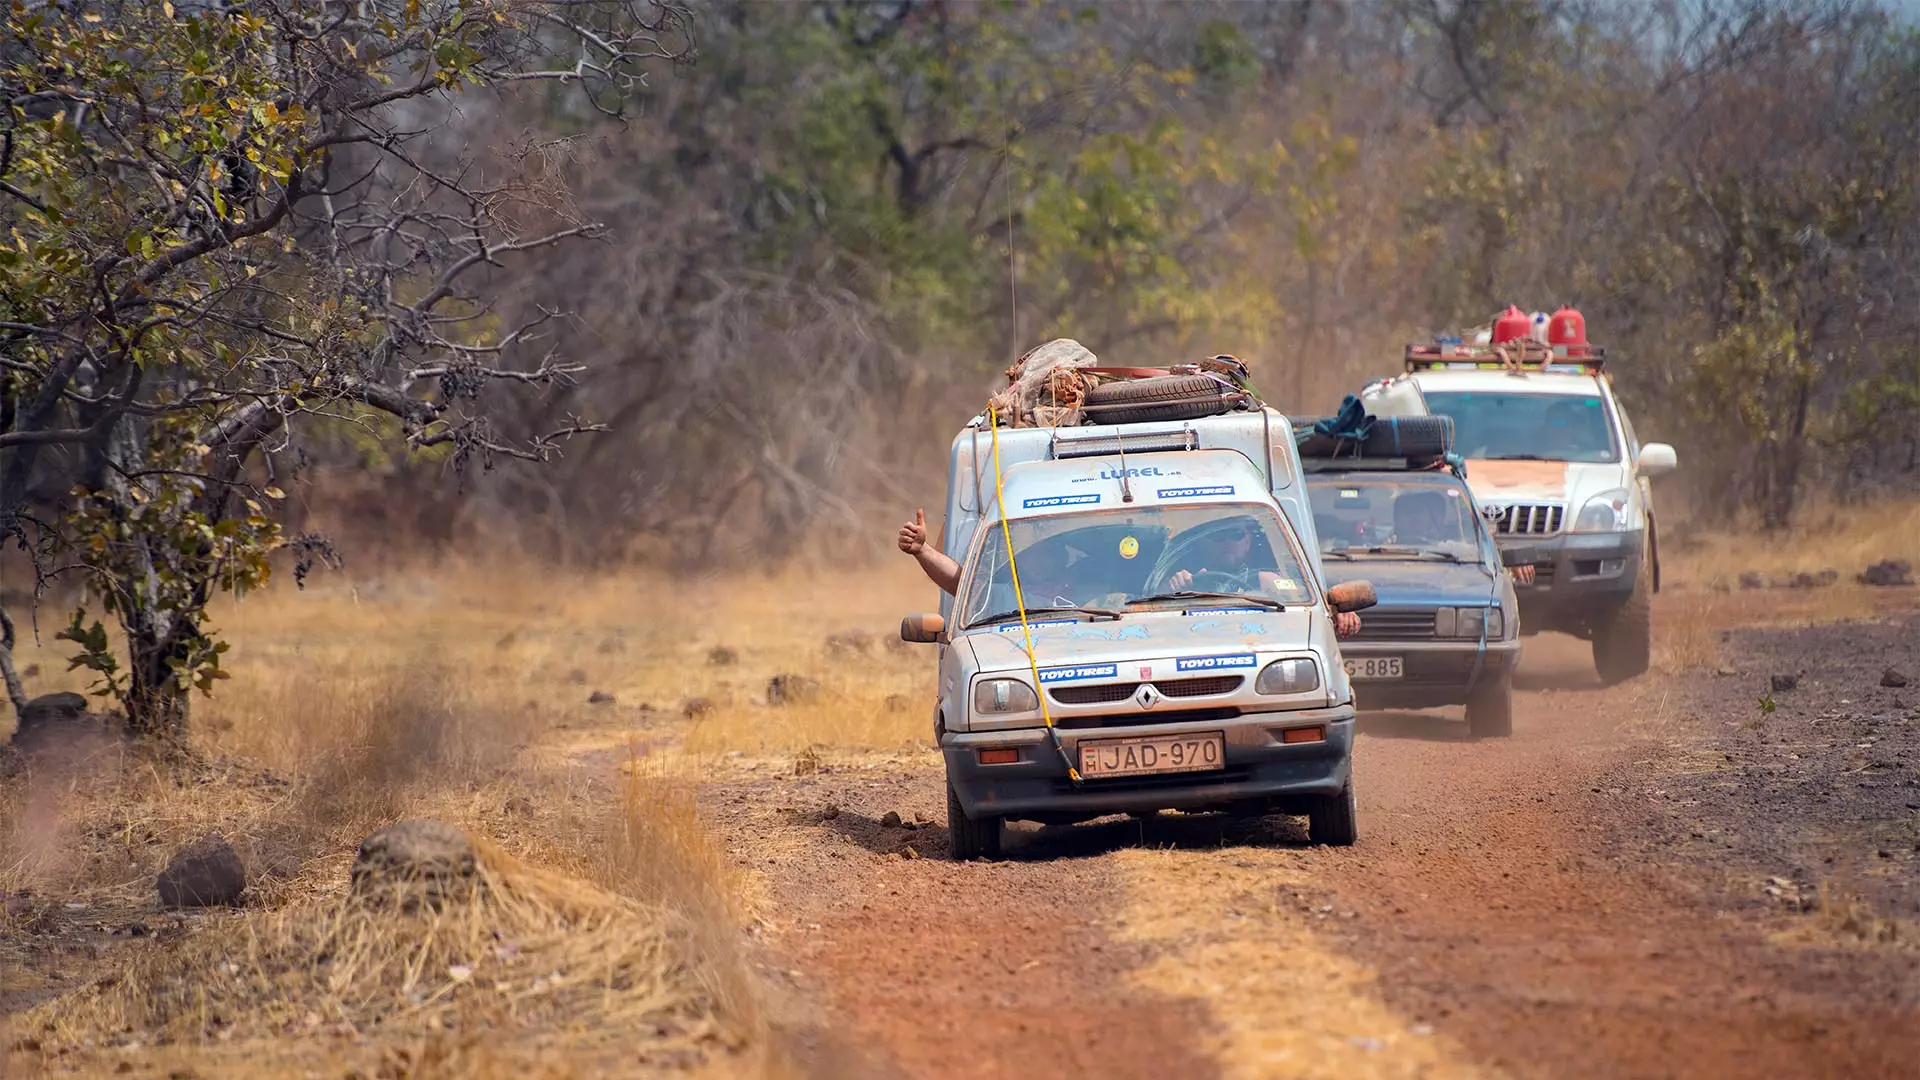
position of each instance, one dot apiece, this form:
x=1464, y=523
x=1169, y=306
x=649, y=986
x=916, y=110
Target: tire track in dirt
x=931, y=968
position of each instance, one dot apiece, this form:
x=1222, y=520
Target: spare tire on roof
x=1161, y=398
x=1389, y=437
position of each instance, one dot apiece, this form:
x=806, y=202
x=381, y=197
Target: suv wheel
x=969, y=838
x=1623, y=640
x=1490, y=709
x=1334, y=819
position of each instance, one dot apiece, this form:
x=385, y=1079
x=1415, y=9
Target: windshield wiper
x=1096, y=612
x=1339, y=553
x=1190, y=595
x=1519, y=457
x=1438, y=554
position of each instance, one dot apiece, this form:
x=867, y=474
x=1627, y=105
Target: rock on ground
x=420, y=860
x=1888, y=573
x=205, y=873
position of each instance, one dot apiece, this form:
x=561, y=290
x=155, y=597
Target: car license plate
x=1147, y=754
x=1373, y=668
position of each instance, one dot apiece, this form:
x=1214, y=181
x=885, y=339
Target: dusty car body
x=1550, y=452
x=1075, y=697
x=1446, y=629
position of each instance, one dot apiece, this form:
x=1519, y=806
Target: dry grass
x=464, y=696
x=1846, y=539
x=1703, y=598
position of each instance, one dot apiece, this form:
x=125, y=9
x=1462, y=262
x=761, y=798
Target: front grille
x=1173, y=688
x=1220, y=684
x=1092, y=695
x=1152, y=716
x=1378, y=625
x=1528, y=519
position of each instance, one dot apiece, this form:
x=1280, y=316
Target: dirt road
x=1658, y=879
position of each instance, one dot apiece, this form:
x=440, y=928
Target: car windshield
x=1112, y=558
x=1394, y=517
x=1528, y=427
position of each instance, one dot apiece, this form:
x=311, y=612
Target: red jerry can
x=1512, y=325
x=1568, y=327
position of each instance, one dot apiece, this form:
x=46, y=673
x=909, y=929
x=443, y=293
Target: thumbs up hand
x=913, y=535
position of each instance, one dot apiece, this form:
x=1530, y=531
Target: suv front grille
x=1528, y=519
x=1219, y=684
x=1410, y=625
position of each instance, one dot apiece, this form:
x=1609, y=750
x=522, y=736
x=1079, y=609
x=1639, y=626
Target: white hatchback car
x=1554, y=461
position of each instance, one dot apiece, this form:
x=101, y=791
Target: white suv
x=1555, y=463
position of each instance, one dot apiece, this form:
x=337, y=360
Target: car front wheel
x=970, y=838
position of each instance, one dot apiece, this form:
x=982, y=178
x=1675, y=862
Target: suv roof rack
x=1532, y=356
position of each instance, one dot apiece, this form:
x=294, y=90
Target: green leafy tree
x=221, y=222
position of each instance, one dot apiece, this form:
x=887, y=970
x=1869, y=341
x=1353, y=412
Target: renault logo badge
x=1146, y=697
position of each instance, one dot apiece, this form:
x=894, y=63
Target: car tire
x=970, y=838
x=1623, y=640
x=1334, y=820
x=1490, y=709
x=1165, y=397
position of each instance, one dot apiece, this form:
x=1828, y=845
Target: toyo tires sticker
x=1075, y=673
x=1216, y=663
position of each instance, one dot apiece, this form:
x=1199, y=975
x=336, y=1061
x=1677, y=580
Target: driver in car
x=1225, y=553
x=1420, y=517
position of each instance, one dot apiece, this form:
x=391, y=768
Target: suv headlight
x=1294, y=675
x=1605, y=512
x=1003, y=696
x=1468, y=622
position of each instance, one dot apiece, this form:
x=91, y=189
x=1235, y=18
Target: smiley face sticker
x=1129, y=547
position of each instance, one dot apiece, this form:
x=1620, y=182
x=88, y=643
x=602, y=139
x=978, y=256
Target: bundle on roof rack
x=1061, y=384
x=1352, y=433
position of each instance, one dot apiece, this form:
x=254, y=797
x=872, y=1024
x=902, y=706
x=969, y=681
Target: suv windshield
x=1528, y=427
x=1110, y=558
x=1394, y=517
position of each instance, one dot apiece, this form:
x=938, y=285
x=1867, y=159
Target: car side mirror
x=923, y=628
x=1519, y=556
x=1352, y=596
x=1657, y=458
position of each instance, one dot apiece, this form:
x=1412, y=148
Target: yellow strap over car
x=1020, y=599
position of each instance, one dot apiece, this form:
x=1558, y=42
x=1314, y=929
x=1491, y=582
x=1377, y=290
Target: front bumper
x=1578, y=577
x=1258, y=767
x=1432, y=673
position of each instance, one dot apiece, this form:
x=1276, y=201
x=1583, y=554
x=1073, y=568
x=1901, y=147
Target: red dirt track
x=1600, y=895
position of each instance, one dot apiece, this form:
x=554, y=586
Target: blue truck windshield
x=1527, y=427
x=1109, y=558
x=1385, y=516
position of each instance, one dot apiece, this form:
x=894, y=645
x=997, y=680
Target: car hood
x=1571, y=483
x=1415, y=584
x=1136, y=638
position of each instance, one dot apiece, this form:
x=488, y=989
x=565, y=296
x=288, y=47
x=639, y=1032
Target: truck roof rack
x=1064, y=445
x=1532, y=356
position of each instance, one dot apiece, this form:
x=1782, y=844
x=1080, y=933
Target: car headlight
x=1295, y=675
x=1468, y=622
x=1605, y=512
x=1003, y=696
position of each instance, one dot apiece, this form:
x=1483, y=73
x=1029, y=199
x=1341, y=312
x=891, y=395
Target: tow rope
x=1020, y=601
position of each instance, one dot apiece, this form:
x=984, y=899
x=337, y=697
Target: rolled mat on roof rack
x=1352, y=433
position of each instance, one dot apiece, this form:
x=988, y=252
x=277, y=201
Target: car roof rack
x=1531, y=356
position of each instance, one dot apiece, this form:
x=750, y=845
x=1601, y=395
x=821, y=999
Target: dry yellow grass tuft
x=534, y=954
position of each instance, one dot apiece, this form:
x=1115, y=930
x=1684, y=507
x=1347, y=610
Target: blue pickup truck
x=1445, y=631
